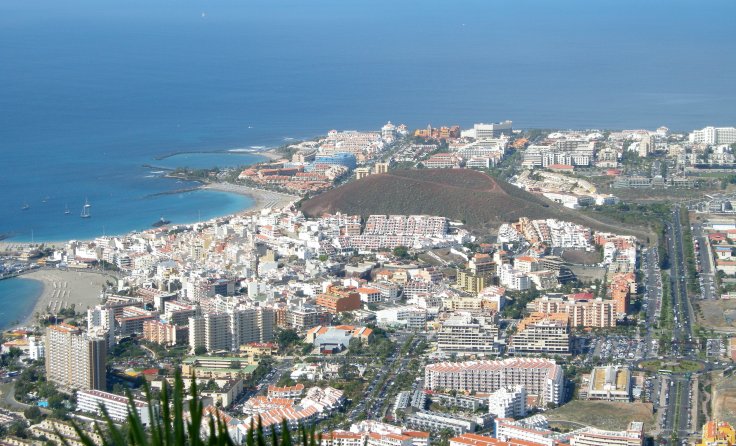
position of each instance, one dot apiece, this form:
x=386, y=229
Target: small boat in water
x=161, y=222
x=66, y=210
x=25, y=207
x=85, y=209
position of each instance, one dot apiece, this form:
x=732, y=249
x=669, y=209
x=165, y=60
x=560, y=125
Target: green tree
x=171, y=427
x=200, y=350
x=249, y=437
x=287, y=338
x=285, y=434
x=33, y=414
x=401, y=251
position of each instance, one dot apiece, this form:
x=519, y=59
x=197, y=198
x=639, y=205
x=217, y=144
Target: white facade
x=533, y=429
x=513, y=278
x=407, y=316
x=116, y=405
x=35, y=348
x=464, y=334
x=541, y=377
x=508, y=402
x=714, y=135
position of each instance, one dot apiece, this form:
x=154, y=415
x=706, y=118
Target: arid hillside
x=459, y=194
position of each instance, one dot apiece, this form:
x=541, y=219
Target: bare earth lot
x=724, y=399
x=609, y=415
x=717, y=314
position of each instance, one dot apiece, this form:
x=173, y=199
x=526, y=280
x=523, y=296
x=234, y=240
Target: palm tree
x=170, y=427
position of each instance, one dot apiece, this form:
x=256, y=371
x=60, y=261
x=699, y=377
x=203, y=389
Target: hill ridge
x=477, y=199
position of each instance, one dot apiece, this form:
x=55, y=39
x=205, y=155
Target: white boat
x=85, y=209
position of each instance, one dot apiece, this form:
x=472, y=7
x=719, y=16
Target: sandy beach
x=264, y=198
x=62, y=288
x=272, y=154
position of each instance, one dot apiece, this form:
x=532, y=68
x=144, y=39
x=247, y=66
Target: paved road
x=682, y=330
x=677, y=409
x=8, y=398
x=653, y=283
x=707, y=272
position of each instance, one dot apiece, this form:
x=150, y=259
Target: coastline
x=62, y=288
x=264, y=199
x=269, y=153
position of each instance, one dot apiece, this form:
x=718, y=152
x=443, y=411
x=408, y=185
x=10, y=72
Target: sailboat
x=85, y=209
x=25, y=207
x=66, y=210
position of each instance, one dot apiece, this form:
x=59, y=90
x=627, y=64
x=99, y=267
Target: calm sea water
x=91, y=91
x=17, y=299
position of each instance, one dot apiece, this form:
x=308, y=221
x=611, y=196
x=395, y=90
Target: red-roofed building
x=580, y=296
x=561, y=167
x=482, y=440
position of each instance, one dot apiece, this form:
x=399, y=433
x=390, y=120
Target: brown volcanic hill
x=479, y=200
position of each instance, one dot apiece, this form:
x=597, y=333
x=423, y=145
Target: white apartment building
x=544, y=336
x=343, y=438
x=423, y=225
x=508, y=402
x=541, y=377
x=115, y=405
x=714, y=135
x=513, y=279
x=632, y=436
x=437, y=421
x=370, y=295
x=533, y=429
x=408, y=316
x=101, y=321
x=490, y=131
x=467, y=335
x=36, y=348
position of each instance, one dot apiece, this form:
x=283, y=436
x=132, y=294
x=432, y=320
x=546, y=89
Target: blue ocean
x=91, y=91
x=17, y=299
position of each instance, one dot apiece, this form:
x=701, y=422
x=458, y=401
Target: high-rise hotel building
x=74, y=359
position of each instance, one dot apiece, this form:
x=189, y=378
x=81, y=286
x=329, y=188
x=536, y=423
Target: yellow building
x=362, y=172
x=217, y=367
x=255, y=351
x=471, y=283
x=717, y=433
x=380, y=168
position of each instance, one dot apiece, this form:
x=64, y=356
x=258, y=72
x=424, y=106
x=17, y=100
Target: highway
x=675, y=407
x=682, y=328
x=653, y=303
x=675, y=392
x=705, y=260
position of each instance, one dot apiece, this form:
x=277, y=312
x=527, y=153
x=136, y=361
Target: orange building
x=338, y=299
x=620, y=288
x=538, y=316
x=438, y=133
x=718, y=433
